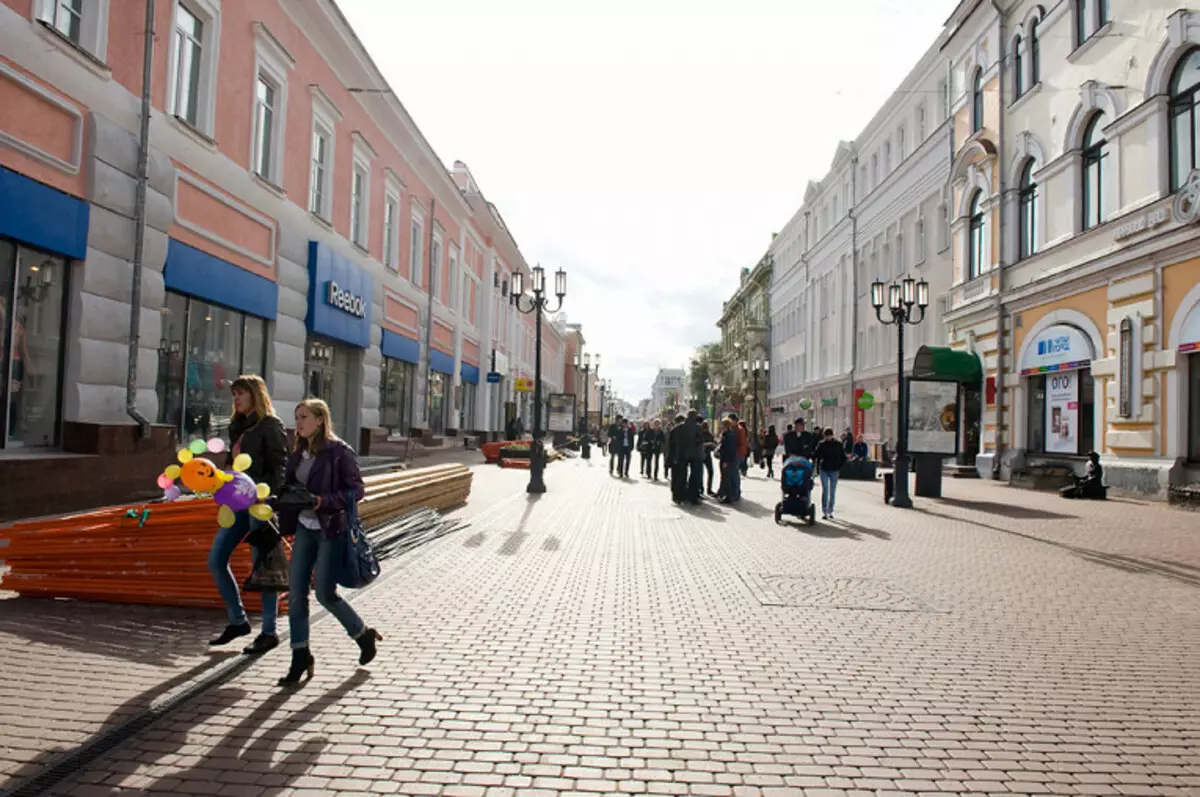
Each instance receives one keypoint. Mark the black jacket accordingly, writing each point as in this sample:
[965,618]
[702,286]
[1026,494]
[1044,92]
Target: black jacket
[685,444]
[266,443]
[800,444]
[831,455]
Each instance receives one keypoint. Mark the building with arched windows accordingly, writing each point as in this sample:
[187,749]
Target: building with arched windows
[1076,247]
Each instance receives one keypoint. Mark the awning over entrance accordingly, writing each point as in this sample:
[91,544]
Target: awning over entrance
[941,362]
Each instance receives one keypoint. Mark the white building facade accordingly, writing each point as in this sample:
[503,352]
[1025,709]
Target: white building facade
[667,391]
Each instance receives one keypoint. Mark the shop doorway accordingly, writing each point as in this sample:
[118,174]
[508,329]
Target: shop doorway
[32,314]
[327,370]
[972,421]
[437,403]
[1193,392]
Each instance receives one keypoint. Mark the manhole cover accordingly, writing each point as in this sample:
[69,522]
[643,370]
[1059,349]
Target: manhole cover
[833,593]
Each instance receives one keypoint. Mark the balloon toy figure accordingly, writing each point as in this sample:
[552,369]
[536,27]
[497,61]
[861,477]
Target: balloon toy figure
[233,490]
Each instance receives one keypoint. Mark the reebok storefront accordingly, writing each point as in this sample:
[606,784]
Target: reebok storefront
[1060,415]
[339,329]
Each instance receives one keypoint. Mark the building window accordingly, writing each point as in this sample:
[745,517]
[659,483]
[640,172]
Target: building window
[1060,412]
[202,350]
[1027,219]
[265,97]
[919,254]
[1102,13]
[452,279]
[396,396]
[1035,55]
[943,227]
[1082,23]
[189,50]
[1018,58]
[887,157]
[977,101]
[1094,153]
[416,248]
[900,264]
[900,143]
[358,207]
[435,268]
[1185,94]
[975,252]
[391,231]
[67,18]
[943,100]
[83,23]
[318,201]
[920,123]
[1125,392]
[875,170]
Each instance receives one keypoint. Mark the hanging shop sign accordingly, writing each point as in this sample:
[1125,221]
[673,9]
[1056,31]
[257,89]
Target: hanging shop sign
[1058,348]
[829,402]
[806,404]
[932,417]
[1062,413]
[562,412]
[493,377]
[339,297]
[523,384]
[866,400]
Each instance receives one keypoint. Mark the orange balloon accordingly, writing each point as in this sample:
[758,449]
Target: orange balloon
[201,476]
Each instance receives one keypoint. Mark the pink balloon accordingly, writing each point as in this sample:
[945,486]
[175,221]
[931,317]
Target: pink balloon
[237,494]
[216,445]
[164,482]
[172,493]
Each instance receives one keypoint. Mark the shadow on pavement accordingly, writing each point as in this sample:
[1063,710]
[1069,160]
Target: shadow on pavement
[1006,510]
[753,510]
[156,635]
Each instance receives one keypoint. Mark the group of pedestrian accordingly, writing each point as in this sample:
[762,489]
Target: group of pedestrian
[321,477]
[827,453]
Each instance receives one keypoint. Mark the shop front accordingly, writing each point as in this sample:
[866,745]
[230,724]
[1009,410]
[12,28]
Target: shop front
[41,232]
[339,329]
[1056,378]
[215,325]
[946,365]
[1188,366]
[397,386]
[469,374]
[439,395]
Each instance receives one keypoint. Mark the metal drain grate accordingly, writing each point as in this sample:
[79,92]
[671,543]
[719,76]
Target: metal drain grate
[866,594]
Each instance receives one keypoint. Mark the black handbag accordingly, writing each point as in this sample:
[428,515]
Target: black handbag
[270,572]
[294,497]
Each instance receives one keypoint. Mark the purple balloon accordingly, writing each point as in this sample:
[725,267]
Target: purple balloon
[238,494]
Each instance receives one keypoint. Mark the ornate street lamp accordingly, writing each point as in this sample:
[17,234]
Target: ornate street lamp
[585,449]
[713,389]
[900,301]
[537,303]
[754,369]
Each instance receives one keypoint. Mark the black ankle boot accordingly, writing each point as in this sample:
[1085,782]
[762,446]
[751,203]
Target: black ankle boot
[303,664]
[231,633]
[261,644]
[366,641]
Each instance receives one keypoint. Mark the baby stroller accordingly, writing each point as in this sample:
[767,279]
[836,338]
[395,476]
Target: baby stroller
[797,483]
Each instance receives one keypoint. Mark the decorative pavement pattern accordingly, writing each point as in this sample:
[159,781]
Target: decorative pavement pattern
[600,640]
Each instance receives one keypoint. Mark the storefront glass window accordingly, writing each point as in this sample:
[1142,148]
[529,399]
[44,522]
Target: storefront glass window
[32,290]
[1061,412]
[1194,407]
[466,417]
[327,376]
[203,348]
[437,402]
[395,399]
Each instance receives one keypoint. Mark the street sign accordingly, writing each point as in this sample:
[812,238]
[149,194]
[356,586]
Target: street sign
[493,377]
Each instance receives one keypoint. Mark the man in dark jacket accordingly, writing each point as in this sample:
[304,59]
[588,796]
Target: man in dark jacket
[658,444]
[806,442]
[615,437]
[676,456]
[692,454]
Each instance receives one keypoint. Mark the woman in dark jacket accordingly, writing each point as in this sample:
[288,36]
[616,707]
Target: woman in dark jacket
[709,443]
[770,443]
[255,430]
[731,463]
[328,468]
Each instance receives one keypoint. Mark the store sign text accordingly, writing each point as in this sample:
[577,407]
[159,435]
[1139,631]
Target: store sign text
[345,301]
[1145,222]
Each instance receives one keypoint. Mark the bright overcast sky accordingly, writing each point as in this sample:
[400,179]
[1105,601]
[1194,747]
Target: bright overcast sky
[648,147]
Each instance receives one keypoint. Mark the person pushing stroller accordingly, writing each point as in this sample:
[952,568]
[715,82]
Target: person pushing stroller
[796,483]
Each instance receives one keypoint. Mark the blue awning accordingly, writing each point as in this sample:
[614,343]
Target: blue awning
[441,362]
[397,347]
[42,216]
[470,373]
[204,276]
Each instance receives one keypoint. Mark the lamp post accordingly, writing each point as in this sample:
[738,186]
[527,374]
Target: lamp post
[754,368]
[713,389]
[538,302]
[603,386]
[585,450]
[901,300]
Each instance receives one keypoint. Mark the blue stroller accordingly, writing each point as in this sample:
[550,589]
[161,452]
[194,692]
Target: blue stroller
[797,483]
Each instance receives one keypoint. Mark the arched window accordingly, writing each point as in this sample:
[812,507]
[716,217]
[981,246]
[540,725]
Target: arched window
[1185,94]
[1027,221]
[1035,55]
[1095,150]
[975,238]
[1082,23]
[977,102]
[1018,61]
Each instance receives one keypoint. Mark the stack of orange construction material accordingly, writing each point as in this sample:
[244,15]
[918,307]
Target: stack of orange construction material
[148,554]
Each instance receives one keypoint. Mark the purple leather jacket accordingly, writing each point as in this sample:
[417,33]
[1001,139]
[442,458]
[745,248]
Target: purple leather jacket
[334,473]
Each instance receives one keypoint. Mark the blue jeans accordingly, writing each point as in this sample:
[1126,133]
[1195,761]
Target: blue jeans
[732,480]
[223,546]
[313,551]
[829,480]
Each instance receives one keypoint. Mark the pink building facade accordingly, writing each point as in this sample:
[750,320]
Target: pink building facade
[296,224]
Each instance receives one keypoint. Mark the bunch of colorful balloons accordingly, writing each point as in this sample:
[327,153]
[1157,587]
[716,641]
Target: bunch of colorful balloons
[232,489]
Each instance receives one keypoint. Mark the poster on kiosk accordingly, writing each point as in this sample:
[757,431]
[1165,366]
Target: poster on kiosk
[1062,412]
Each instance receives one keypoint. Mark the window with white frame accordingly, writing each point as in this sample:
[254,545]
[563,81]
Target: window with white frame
[919,253]
[887,157]
[391,223]
[320,179]
[191,91]
[900,264]
[272,64]
[435,266]
[452,286]
[1090,17]
[943,100]
[416,247]
[901,144]
[84,23]
[360,193]
[920,123]
[943,227]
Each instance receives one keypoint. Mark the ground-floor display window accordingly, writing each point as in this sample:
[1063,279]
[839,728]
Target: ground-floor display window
[1194,407]
[32,315]
[203,348]
[395,396]
[327,371]
[437,404]
[466,415]
[1060,412]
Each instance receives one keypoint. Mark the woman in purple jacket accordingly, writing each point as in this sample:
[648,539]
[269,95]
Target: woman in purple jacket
[329,469]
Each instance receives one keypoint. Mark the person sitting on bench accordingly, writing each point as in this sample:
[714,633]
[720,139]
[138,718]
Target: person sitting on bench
[1091,484]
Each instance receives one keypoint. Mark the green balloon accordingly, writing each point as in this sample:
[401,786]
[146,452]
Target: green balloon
[198,446]
[805,404]
[866,401]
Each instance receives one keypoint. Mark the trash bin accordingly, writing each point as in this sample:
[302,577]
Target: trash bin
[929,477]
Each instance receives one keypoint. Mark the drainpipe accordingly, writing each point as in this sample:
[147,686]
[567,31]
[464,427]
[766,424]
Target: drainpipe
[1000,309]
[139,230]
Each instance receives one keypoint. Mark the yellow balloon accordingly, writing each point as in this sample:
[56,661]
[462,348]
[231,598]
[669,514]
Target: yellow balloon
[241,462]
[261,512]
[185,456]
[172,472]
[263,491]
[225,476]
[225,517]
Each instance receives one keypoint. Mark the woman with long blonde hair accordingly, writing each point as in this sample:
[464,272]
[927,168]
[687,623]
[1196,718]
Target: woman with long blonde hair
[328,468]
[254,430]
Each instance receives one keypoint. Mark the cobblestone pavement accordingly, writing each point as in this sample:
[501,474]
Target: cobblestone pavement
[600,640]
